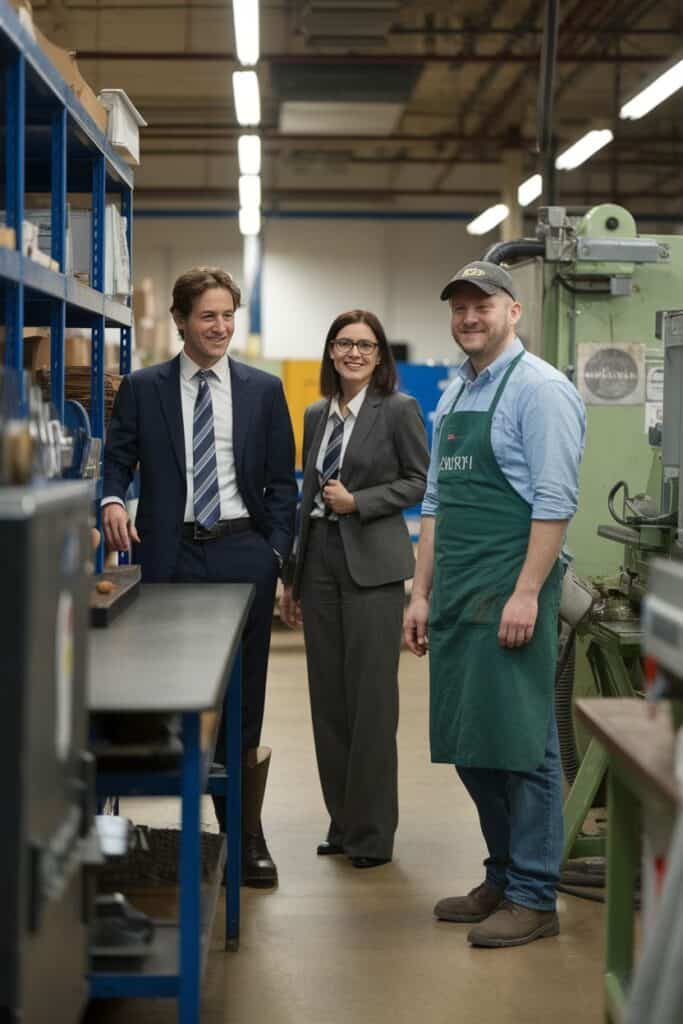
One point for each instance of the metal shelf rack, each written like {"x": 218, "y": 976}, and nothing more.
{"x": 51, "y": 145}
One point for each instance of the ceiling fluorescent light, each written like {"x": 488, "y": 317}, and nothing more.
{"x": 249, "y": 154}
{"x": 488, "y": 220}
{"x": 584, "y": 149}
{"x": 663, "y": 87}
{"x": 250, "y": 221}
{"x": 247, "y": 98}
{"x": 529, "y": 190}
{"x": 246, "y": 17}
{"x": 250, "y": 191}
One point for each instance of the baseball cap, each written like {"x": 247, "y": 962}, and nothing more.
{"x": 489, "y": 277}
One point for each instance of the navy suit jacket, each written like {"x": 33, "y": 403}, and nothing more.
{"x": 146, "y": 428}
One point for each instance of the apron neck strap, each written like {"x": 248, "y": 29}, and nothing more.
{"x": 501, "y": 386}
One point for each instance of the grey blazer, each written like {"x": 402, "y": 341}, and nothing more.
{"x": 385, "y": 468}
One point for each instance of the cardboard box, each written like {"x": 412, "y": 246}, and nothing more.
{"x": 76, "y": 350}
{"x": 66, "y": 64}
{"x": 36, "y": 347}
{"x": 124, "y": 122}
{"x": 8, "y": 238}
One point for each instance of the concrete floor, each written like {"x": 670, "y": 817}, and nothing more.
{"x": 334, "y": 945}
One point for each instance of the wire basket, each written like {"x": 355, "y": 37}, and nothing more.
{"x": 154, "y": 860}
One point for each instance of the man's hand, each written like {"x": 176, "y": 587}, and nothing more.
{"x": 118, "y": 529}
{"x": 518, "y": 619}
{"x": 415, "y": 625}
{"x": 338, "y": 498}
{"x": 290, "y": 610}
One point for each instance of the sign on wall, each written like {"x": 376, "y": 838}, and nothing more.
{"x": 611, "y": 374}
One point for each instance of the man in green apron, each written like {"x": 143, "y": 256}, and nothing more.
{"x": 502, "y": 487}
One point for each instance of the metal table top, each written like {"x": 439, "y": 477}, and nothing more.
{"x": 170, "y": 651}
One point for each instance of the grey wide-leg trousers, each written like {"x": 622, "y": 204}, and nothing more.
{"x": 353, "y": 638}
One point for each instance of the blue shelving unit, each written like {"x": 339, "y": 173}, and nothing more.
{"x": 51, "y": 145}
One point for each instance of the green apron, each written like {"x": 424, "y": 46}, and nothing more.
{"x": 490, "y": 706}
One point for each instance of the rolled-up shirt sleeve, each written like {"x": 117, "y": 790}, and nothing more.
{"x": 553, "y": 429}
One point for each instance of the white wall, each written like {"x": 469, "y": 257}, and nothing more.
{"x": 316, "y": 268}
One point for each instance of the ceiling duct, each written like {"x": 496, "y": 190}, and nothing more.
{"x": 353, "y": 23}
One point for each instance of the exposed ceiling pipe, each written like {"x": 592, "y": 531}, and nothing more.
{"x": 368, "y": 59}
{"x": 545, "y": 142}
{"x": 378, "y": 194}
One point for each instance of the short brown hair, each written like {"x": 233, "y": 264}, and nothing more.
{"x": 193, "y": 283}
{"x": 384, "y": 378}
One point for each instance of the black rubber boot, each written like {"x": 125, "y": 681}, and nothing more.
{"x": 258, "y": 868}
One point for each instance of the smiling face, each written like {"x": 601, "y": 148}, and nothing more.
{"x": 208, "y": 329}
{"x": 355, "y": 367}
{"x": 483, "y": 325}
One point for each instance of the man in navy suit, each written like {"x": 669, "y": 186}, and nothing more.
{"x": 214, "y": 445}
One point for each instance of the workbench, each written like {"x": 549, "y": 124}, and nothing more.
{"x": 176, "y": 650}
{"x": 640, "y": 753}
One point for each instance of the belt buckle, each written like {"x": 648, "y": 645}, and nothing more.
{"x": 201, "y": 533}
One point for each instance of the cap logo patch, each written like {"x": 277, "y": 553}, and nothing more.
{"x": 473, "y": 272}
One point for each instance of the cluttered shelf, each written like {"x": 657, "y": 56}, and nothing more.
{"x": 54, "y": 80}
{"x": 16, "y": 267}
{"x": 157, "y": 972}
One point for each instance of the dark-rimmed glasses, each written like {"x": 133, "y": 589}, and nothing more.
{"x": 344, "y": 345}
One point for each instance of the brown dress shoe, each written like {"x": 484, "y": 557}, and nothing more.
{"x": 470, "y": 909}
{"x": 514, "y": 925}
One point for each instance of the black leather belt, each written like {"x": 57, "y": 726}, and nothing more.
{"x": 194, "y": 531}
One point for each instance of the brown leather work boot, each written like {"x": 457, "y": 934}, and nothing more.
{"x": 514, "y": 925}
{"x": 476, "y": 906}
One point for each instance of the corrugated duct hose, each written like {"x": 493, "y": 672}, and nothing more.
{"x": 564, "y": 689}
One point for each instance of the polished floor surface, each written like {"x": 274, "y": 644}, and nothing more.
{"x": 334, "y": 945}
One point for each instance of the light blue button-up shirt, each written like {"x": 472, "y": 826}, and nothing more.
{"x": 537, "y": 432}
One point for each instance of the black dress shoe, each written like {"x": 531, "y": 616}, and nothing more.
{"x": 369, "y": 862}
{"x": 326, "y": 849}
{"x": 258, "y": 868}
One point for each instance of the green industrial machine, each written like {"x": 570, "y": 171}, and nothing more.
{"x": 591, "y": 289}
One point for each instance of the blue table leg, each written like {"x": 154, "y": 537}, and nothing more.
{"x": 190, "y": 878}
{"x": 233, "y": 795}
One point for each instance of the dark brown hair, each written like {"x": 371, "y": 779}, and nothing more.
{"x": 384, "y": 378}
{"x": 193, "y": 283}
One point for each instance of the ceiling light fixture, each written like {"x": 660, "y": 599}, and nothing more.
{"x": 249, "y": 187}
{"x": 246, "y": 18}
{"x": 663, "y": 87}
{"x": 488, "y": 220}
{"x": 584, "y": 149}
{"x": 530, "y": 189}
{"x": 250, "y": 221}
{"x": 249, "y": 154}
{"x": 245, "y": 88}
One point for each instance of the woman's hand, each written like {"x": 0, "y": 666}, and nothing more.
{"x": 338, "y": 498}
{"x": 290, "y": 610}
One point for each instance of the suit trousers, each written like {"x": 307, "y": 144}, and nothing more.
{"x": 353, "y": 639}
{"x": 239, "y": 558}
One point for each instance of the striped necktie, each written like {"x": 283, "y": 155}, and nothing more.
{"x": 207, "y": 506}
{"x": 332, "y": 459}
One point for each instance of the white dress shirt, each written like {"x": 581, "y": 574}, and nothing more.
{"x": 232, "y": 506}
{"x": 352, "y": 409}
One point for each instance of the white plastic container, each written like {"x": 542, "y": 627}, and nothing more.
{"x": 124, "y": 122}
{"x": 113, "y": 832}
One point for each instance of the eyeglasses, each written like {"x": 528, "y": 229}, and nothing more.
{"x": 345, "y": 345}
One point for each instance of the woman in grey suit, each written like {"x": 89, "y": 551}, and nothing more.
{"x": 365, "y": 460}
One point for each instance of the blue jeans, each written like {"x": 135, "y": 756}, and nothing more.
{"x": 521, "y": 819}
